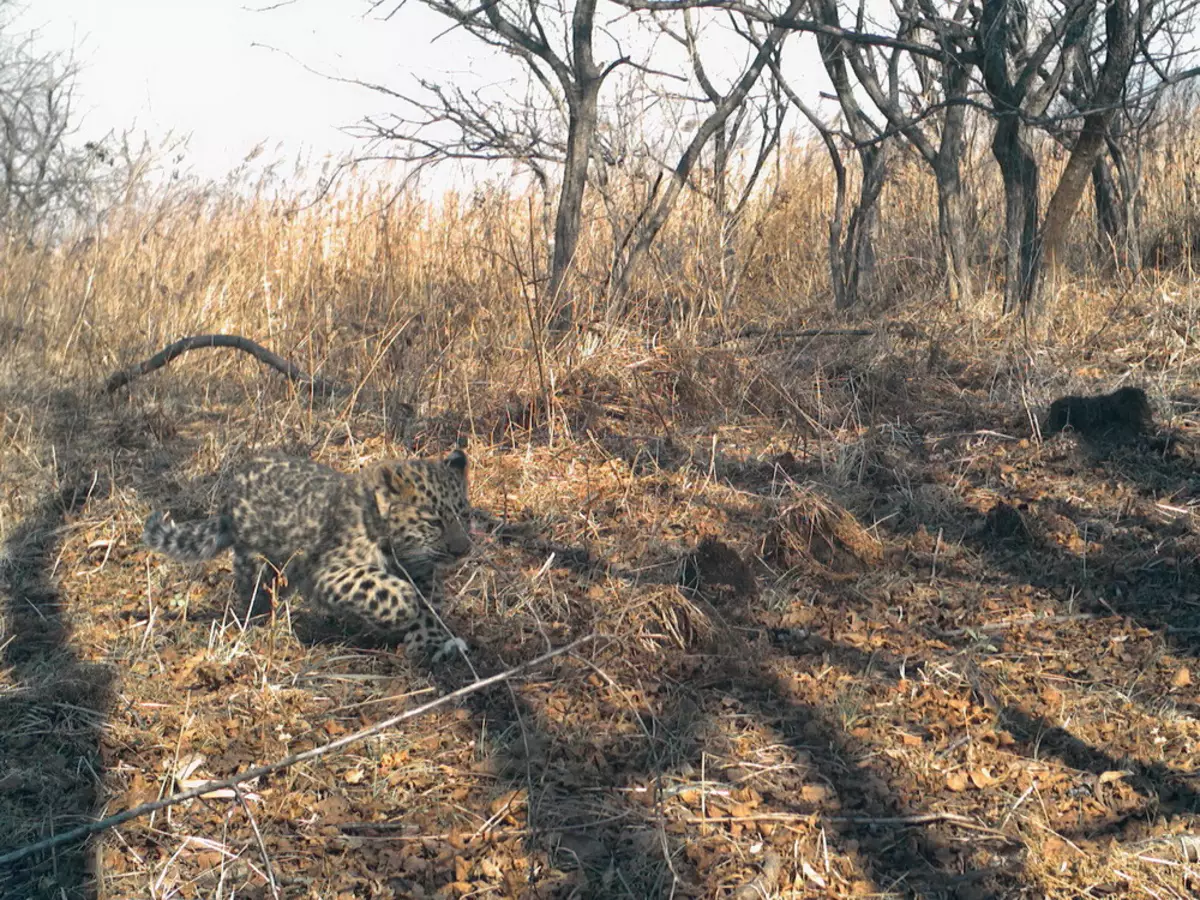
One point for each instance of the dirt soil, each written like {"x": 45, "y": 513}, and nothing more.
{"x": 913, "y": 652}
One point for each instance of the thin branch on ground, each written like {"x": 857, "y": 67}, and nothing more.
{"x": 262, "y": 846}
{"x": 145, "y": 809}
{"x": 898, "y": 821}
{"x": 788, "y": 333}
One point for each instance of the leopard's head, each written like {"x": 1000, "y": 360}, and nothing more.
{"x": 424, "y": 508}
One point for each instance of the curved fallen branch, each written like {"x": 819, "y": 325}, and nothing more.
{"x": 145, "y": 809}
{"x": 319, "y": 386}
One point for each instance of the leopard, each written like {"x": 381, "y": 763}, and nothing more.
{"x": 370, "y": 547}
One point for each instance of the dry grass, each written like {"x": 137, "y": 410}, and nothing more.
{"x": 866, "y": 690}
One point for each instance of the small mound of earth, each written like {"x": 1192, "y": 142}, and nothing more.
{"x": 1125, "y": 413}
{"x": 1005, "y": 522}
{"x": 814, "y": 529}
{"x": 717, "y": 571}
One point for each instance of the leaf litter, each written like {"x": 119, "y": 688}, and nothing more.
{"x": 932, "y": 656}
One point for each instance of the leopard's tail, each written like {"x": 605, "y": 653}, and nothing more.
{"x": 190, "y": 541}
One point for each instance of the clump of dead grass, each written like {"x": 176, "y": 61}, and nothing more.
{"x": 812, "y": 528}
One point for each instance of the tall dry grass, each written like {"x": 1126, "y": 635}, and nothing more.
{"x": 422, "y": 296}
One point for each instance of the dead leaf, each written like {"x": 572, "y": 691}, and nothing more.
{"x": 981, "y": 778}
{"x": 812, "y": 874}
{"x": 814, "y": 793}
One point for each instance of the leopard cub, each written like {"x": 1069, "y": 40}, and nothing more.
{"x": 368, "y": 547}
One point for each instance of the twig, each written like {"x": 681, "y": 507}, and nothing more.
{"x": 788, "y": 333}
{"x": 262, "y": 847}
{"x": 320, "y": 386}
{"x": 1017, "y": 623}
{"x": 905, "y": 821}
{"x": 146, "y": 808}
{"x": 491, "y": 834}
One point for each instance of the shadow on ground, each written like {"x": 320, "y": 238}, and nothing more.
{"x": 55, "y": 706}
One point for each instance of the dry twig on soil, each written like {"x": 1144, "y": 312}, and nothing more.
{"x": 257, "y": 772}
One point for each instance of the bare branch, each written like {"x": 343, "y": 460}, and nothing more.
{"x": 787, "y": 21}
{"x": 319, "y": 386}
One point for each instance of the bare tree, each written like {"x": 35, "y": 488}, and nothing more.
{"x": 857, "y": 254}
{"x": 1163, "y": 39}
{"x": 1020, "y": 86}
{"x": 837, "y": 220}
{"x": 1103, "y": 101}
{"x": 920, "y": 85}
{"x": 724, "y": 105}
{"x": 46, "y": 179}
{"x": 568, "y": 72}
{"x": 849, "y": 56}
{"x": 763, "y": 116}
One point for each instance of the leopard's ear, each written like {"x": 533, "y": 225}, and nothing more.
{"x": 457, "y": 461}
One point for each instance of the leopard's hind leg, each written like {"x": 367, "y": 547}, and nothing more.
{"x": 255, "y": 581}
{"x": 387, "y": 603}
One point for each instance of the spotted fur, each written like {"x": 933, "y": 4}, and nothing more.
{"x": 368, "y": 547}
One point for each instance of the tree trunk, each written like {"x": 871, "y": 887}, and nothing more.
{"x": 1129, "y": 195}
{"x": 1019, "y": 169}
{"x": 1109, "y": 212}
{"x": 952, "y": 233}
{"x": 581, "y": 129}
{"x": 581, "y": 86}
{"x": 725, "y": 219}
{"x": 952, "y": 198}
{"x": 1120, "y": 42}
{"x": 858, "y": 252}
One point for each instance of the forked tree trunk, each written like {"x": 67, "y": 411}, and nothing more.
{"x": 857, "y": 253}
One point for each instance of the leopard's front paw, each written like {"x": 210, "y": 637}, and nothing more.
{"x": 449, "y": 648}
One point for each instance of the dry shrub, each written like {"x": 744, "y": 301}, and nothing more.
{"x": 814, "y": 529}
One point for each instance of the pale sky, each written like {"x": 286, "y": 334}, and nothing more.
{"x": 193, "y": 67}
